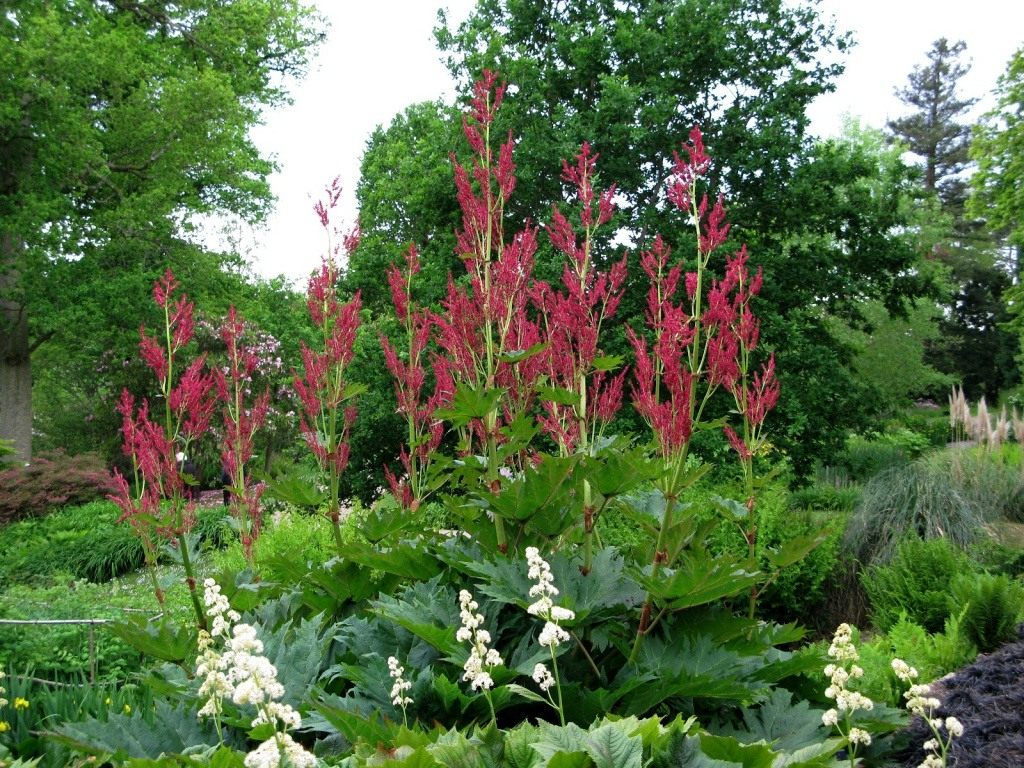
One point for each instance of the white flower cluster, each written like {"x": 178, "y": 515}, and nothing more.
{"x": 269, "y": 754}
{"x": 542, "y": 676}
{"x": 921, "y": 702}
{"x": 481, "y": 658}
{"x": 244, "y": 675}
{"x": 401, "y": 685}
{"x": 544, "y": 607}
{"x": 3, "y": 701}
{"x": 839, "y": 674}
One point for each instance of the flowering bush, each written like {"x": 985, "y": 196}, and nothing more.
{"x": 514, "y": 372}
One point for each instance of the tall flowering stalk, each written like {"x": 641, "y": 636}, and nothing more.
{"x": 920, "y": 702}
{"x": 552, "y": 635}
{"x": 328, "y": 410}
{"x": 481, "y": 660}
{"x": 243, "y": 418}
{"x": 755, "y": 393}
{"x": 400, "y": 688}
{"x": 696, "y": 346}
{"x": 483, "y": 326}
{"x": 233, "y": 668}
{"x": 840, "y": 672}
{"x": 153, "y": 447}
{"x": 424, "y": 430}
{"x": 572, "y": 322}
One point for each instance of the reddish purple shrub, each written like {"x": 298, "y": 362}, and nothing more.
{"x": 53, "y": 479}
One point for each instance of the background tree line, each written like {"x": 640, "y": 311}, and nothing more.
{"x": 869, "y": 258}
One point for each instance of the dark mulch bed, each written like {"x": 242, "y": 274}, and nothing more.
{"x": 987, "y": 697}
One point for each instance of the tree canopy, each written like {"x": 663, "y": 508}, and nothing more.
{"x": 998, "y": 148}
{"x": 932, "y": 130}
{"x": 828, "y": 220}
{"x": 120, "y": 122}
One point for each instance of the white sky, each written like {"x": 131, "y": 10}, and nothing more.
{"x": 380, "y": 57}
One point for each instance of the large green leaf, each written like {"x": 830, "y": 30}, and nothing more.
{"x": 691, "y": 667}
{"x": 162, "y": 638}
{"x": 699, "y": 578}
{"x": 428, "y": 610}
{"x": 519, "y": 751}
{"x": 408, "y": 559}
{"x": 619, "y": 470}
{"x": 780, "y": 722}
{"x": 795, "y": 549}
{"x": 730, "y": 750}
{"x": 382, "y": 521}
{"x": 556, "y": 740}
{"x": 166, "y": 731}
{"x": 297, "y": 651}
{"x": 545, "y": 491}
{"x": 454, "y": 749}
{"x": 470, "y": 403}
{"x": 612, "y": 746}
{"x": 297, "y": 490}
{"x": 336, "y": 714}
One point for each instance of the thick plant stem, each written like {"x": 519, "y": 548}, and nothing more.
{"x": 190, "y": 581}
{"x": 335, "y": 516}
{"x": 660, "y": 560}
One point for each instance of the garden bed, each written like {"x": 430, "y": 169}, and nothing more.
{"x": 988, "y": 698}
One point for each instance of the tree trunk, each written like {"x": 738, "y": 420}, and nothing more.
{"x": 15, "y": 358}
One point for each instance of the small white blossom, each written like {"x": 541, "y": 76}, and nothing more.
{"x": 552, "y": 635}
{"x": 954, "y": 727}
{"x": 401, "y": 685}
{"x": 268, "y": 754}
{"x": 481, "y": 658}
{"x": 840, "y": 673}
{"x": 904, "y": 671}
{"x": 241, "y": 673}
{"x": 542, "y": 677}
{"x": 859, "y": 736}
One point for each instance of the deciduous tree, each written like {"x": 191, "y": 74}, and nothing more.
{"x": 120, "y": 121}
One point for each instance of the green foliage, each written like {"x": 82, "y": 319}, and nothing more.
{"x": 933, "y": 654}
{"x": 153, "y": 107}
{"x": 917, "y": 500}
{"x": 288, "y": 538}
{"x": 865, "y": 458}
{"x": 995, "y": 556}
{"x": 51, "y": 480}
{"x": 800, "y": 589}
{"x": 930, "y": 423}
{"x": 163, "y": 731}
{"x": 51, "y": 705}
{"x": 57, "y": 652}
{"x": 85, "y": 542}
{"x": 991, "y": 483}
{"x": 825, "y": 497}
{"x": 997, "y": 147}
{"x": 915, "y": 583}
{"x": 891, "y": 354}
{"x": 990, "y": 606}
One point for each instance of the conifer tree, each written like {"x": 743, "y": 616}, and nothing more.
{"x": 933, "y": 130}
